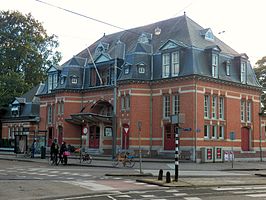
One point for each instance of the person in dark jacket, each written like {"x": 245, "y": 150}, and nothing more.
{"x": 63, "y": 149}
{"x": 54, "y": 150}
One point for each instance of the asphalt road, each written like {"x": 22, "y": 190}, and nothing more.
{"x": 33, "y": 180}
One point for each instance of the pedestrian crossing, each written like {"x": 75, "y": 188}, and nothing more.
{"x": 257, "y": 191}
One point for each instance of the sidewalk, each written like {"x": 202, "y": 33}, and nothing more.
{"x": 255, "y": 171}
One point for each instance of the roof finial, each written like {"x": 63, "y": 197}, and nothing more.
{"x": 184, "y": 13}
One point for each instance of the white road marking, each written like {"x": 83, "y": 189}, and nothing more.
{"x": 192, "y": 198}
{"x": 256, "y": 195}
{"x": 180, "y": 194}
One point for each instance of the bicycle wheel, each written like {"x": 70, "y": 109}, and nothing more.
{"x": 130, "y": 163}
{"x": 87, "y": 159}
{"x": 115, "y": 162}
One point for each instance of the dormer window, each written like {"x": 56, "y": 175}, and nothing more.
{"x": 170, "y": 63}
{"x": 227, "y": 67}
{"x": 144, "y": 38}
{"x": 243, "y": 72}
{"x": 74, "y": 80}
{"x": 52, "y": 81}
{"x": 15, "y": 110}
{"x": 127, "y": 68}
{"x": 214, "y": 65}
{"x": 62, "y": 80}
{"x": 207, "y": 34}
{"x": 141, "y": 69}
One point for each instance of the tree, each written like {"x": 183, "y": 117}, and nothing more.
{"x": 26, "y": 51}
{"x": 260, "y": 71}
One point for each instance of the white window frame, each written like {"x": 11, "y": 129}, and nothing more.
{"x": 50, "y": 83}
{"x": 242, "y": 110}
{"x": 175, "y": 63}
{"x": 123, "y": 103}
{"x": 221, "y": 107}
{"x": 206, "y": 106}
{"x": 58, "y": 108}
{"x": 74, "y": 80}
{"x": 214, "y": 132}
{"x": 243, "y": 72}
{"x": 166, "y": 65}
{"x": 55, "y": 80}
{"x": 166, "y": 106}
{"x": 141, "y": 70}
{"x": 49, "y": 115}
{"x": 206, "y": 131}
{"x": 126, "y": 70}
{"x": 249, "y": 111}
{"x": 214, "y": 65}
{"x": 227, "y": 68}
{"x": 127, "y": 102}
{"x": 221, "y": 132}
{"x": 175, "y": 104}
{"x": 214, "y": 107}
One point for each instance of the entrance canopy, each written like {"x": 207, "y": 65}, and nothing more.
{"x": 90, "y": 118}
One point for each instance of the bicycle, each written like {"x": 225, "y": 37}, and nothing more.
{"x": 53, "y": 160}
{"x": 27, "y": 154}
{"x": 126, "y": 159}
{"x": 86, "y": 158}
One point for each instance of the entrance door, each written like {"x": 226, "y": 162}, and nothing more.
{"x": 125, "y": 136}
{"x": 245, "y": 139}
{"x": 94, "y": 135}
{"x": 169, "y": 137}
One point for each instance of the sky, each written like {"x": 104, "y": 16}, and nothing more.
{"x": 242, "y": 22}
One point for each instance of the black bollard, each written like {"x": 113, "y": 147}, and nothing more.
{"x": 168, "y": 177}
{"x": 160, "y": 176}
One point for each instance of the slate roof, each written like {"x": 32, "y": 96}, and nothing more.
{"x": 126, "y": 46}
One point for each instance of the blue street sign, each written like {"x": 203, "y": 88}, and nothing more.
{"x": 187, "y": 129}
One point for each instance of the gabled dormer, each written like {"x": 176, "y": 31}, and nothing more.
{"x": 101, "y": 48}
{"x": 103, "y": 57}
{"x": 242, "y": 62}
{"x": 145, "y": 38}
{"x": 141, "y": 67}
{"x": 207, "y": 34}
{"x": 171, "y": 58}
{"x": 53, "y": 75}
{"x": 17, "y": 106}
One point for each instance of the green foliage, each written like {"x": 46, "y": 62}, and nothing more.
{"x": 260, "y": 71}
{"x": 26, "y": 51}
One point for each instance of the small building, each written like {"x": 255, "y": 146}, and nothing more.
{"x": 121, "y": 91}
{"x": 20, "y": 126}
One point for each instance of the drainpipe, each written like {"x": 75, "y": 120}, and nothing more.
{"x": 195, "y": 121}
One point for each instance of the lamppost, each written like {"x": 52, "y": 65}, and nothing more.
{"x": 139, "y": 124}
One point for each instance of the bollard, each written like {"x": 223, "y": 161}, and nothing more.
{"x": 168, "y": 177}
{"x": 160, "y": 176}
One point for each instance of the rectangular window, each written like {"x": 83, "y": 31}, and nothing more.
{"x": 214, "y": 65}
{"x": 127, "y": 102}
{"x": 243, "y": 72}
{"x": 175, "y": 63}
{"x": 166, "y": 106}
{"x": 206, "y": 106}
{"x": 206, "y": 131}
{"x": 50, "y": 83}
{"x": 175, "y": 104}
{"x": 242, "y": 111}
{"x": 227, "y": 66}
{"x": 166, "y": 65}
{"x": 123, "y": 103}
{"x": 214, "y": 107}
{"x": 221, "y": 132}
{"x": 248, "y": 111}
{"x": 55, "y": 81}
{"x": 50, "y": 114}
{"x": 221, "y": 108}
{"x": 58, "y": 108}
{"x": 214, "y": 132}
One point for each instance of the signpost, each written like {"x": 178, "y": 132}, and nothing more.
{"x": 231, "y": 155}
{"x": 139, "y": 124}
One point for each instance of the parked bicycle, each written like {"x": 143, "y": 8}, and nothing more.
{"x": 27, "y": 154}
{"x": 85, "y": 156}
{"x": 125, "y": 158}
{"x": 53, "y": 160}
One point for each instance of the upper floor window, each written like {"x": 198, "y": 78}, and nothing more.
{"x": 52, "y": 81}
{"x": 126, "y": 70}
{"x": 175, "y": 104}
{"x": 221, "y": 108}
{"x": 74, "y": 80}
{"x": 214, "y": 107}
{"x": 214, "y": 131}
{"x": 166, "y": 106}
{"x": 166, "y": 65}
{"x": 206, "y": 131}
{"x": 206, "y": 106}
{"x": 125, "y": 102}
{"x": 221, "y": 132}
{"x": 175, "y": 63}
{"x": 214, "y": 65}
{"x": 50, "y": 114}
{"x": 227, "y": 67}
{"x": 248, "y": 111}
{"x": 171, "y": 64}
{"x": 243, "y": 73}
{"x": 60, "y": 107}
{"x": 242, "y": 111}
{"x": 141, "y": 70}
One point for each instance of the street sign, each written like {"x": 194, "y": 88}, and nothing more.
{"x": 187, "y": 129}
{"x": 85, "y": 130}
{"x": 126, "y": 129}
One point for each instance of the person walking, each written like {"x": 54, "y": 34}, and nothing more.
{"x": 33, "y": 148}
{"x": 63, "y": 152}
{"x": 54, "y": 151}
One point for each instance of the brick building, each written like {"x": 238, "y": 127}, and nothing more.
{"x": 133, "y": 82}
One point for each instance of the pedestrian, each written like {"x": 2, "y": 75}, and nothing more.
{"x": 33, "y": 148}
{"x": 54, "y": 151}
{"x": 64, "y": 153}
